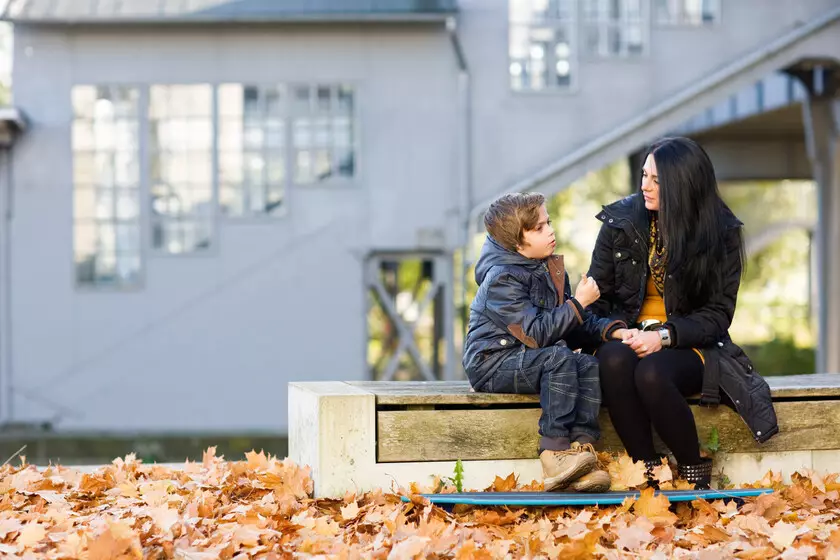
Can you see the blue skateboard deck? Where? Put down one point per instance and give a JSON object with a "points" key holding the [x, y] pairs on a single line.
{"points": [[549, 499]]}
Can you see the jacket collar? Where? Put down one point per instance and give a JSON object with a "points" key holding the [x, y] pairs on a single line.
{"points": [[632, 209]]}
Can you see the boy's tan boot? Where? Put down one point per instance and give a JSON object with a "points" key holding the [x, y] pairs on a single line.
{"points": [[594, 481], [561, 468]]}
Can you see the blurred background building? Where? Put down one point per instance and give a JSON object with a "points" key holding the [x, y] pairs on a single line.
{"points": [[203, 200]]}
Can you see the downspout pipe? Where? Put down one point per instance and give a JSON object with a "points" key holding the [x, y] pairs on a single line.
{"points": [[465, 157]]}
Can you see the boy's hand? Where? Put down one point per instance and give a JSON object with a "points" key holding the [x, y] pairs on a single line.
{"points": [[624, 334], [587, 291]]}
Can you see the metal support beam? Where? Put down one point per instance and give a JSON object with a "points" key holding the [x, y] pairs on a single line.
{"points": [[440, 295], [821, 116]]}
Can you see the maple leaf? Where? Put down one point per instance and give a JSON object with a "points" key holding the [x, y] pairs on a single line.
{"points": [[116, 542], [533, 486], [783, 535], [769, 506], [257, 461], [492, 517], [164, 517], [31, 534], [714, 534], [626, 473], [634, 537], [71, 546], [654, 507], [409, 548], [350, 511], [9, 525], [758, 553], [503, 484], [582, 548], [662, 473]]}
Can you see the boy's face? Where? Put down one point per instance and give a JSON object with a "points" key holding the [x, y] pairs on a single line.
{"points": [[538, 243]]}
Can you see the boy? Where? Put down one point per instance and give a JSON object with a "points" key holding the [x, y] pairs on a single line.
{"points": [[524, 325]]}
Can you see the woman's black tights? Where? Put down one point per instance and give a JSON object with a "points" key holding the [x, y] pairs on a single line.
{"points": [[652, 390]]}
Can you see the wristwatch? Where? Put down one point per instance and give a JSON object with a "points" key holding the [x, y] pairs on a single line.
{"points": [[665, 335]]}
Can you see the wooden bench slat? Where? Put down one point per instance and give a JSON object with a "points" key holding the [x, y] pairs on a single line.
{"points": [[481, 434], [818, 385]]}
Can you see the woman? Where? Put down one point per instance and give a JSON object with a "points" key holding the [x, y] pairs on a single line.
{"points": [[668, 260]]}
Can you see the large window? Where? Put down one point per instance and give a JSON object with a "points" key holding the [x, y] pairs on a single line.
{"points": [[181, 152], [106, 182], [231, 150], [613, 28], [322, 133], [252, 149], [541, 52], [686, 12]]}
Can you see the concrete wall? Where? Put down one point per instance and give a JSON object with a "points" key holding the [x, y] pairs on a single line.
{"points": [[209, 342]]}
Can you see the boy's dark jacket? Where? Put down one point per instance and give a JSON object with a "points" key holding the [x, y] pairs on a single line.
{"points": [[522, 301]]}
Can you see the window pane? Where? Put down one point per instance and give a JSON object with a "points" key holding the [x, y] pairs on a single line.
{"points": [[274, 100], [83, 168], [82, 135], [322, 164], [324, 99], [128, 268], [106, 176], [127, 203], [182, 162], [231, 199], [127, 239], [256, 198], [275, 134], [126, 103], [302, 133], [84, 240], [303, 167], [230, 100], [346, 162], [104, 267], [301, 100], [345, 100], [84, 99], [274, 199], [230, 167], [126, 169], [276, 169]]}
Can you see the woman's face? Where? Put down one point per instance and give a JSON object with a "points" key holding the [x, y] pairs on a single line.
{"points": [[650, 184]]}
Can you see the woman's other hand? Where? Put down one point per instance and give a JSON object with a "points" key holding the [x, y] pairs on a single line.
{"points": [[645, 343]]}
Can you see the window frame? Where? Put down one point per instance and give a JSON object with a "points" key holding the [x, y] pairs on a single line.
{"points": [[139, 220], [682, 22], [570, 25], [604, 24]]}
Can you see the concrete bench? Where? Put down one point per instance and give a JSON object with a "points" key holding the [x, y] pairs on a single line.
{"points": [[364, 435]]}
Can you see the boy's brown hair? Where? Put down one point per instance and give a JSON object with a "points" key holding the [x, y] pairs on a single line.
{"points": [[510, 215]]}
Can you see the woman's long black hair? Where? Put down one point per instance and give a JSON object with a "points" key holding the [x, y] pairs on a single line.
{"points": [[692, 216]]}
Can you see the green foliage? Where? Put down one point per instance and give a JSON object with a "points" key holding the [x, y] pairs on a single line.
{"points": [[781, 356], [458, 479], [713, 443]]}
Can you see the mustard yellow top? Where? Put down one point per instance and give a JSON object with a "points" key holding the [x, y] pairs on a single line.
{"points": [[653, 307]]}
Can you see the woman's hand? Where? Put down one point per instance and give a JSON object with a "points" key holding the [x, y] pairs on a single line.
{"points": [[624, 334], [645, 343]]}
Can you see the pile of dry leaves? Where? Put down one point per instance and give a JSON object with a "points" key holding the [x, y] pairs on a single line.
{"points": [[261, 508]]}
